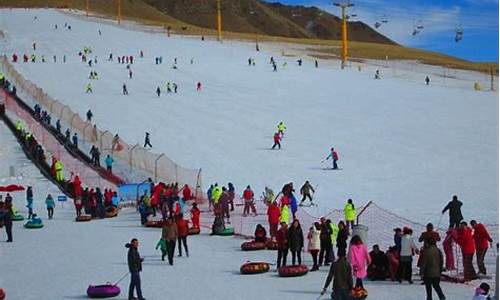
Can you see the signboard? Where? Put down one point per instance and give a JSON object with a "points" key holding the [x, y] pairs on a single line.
{"points": [[62, 198]]}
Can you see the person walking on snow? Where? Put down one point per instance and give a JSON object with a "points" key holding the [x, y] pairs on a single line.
{"points": [[49, 202], [109, 163], [482, 240], [305, 191], [248, 197], [169, 233], [455, 211], [427, 80], [134, 262], [431, 264], [124, 89], [276, 139], [158, 91], [29, 201], [147, 141], [313, 245], [89, 116], [341, 273], [88, 89], [334, 156], [360, 259]]}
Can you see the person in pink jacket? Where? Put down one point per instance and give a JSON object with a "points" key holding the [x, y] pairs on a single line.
{"points": [[449, 239], [360, 259]]}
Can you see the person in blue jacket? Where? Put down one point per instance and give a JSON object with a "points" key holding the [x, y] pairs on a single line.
{"points": [[50, 203], [115, 200], [29, 201], [109, 163]]}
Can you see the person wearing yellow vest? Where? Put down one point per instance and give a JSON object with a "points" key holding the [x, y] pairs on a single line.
{"points": [[19, 125], [281, 128], [216, 193], [335, 232], [59, 171], [2, 78], [349, 213], [285, 214]]}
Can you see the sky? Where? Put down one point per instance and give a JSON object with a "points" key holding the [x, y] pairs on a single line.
{"points": [[478, 20]]}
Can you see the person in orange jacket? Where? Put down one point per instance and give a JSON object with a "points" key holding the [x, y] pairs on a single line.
{"points": [[195, 216], [277, 139], [482, 241], [466, 242]]}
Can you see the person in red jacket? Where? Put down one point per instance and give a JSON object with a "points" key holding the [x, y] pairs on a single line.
{"points": [[277, 139], [108, 196], [93, 203], [77, 187], [248, 198], [182, 233], [282, 244], [466, 242], [482, 240], [186, 193], [273, 216], [195, 216]]}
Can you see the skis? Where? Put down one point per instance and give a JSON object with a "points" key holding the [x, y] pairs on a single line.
{"points": [[308, 205]]}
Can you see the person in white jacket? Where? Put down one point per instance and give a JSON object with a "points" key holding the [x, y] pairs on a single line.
{"points": [[313, 246], [408, 249]]}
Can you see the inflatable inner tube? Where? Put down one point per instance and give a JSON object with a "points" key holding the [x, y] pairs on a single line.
{"points": [[193, 231], [359, 293], [2, 294], [32, 225], [83, 218], [271, 245], [253, 245], [111, 212], [156, 224], [103, 291], [254, 268], [225, 232], [17, 217], [293, 271]]}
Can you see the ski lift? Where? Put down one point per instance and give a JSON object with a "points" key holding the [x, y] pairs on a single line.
{"points": [[384, 19], [420, 26], [378, 24], [458, 34], [415, 31]]}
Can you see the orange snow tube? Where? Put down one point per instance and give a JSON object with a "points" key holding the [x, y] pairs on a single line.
{"points": [[157, 224], [193, 231], [271, 245], [252, 246], [254, 268], [111, 212], [293, 271], [83, 218], [359, 294]]}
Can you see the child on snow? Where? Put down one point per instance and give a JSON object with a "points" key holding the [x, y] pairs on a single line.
{"points": [[195, 216], [482, 292], [49, 201], [162, 244]]}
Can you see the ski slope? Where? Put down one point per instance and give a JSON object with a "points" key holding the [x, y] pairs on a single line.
{"points": [[407, 146]]}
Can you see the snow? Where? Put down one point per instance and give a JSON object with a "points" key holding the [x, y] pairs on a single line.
{"points": [[406, 146]]}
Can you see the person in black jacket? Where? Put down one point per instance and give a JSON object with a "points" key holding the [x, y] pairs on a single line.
{"points": [[342, 237], [134, 262], [295, 238], [325, 240], [6, 217], [379, 266], [455, 211]]}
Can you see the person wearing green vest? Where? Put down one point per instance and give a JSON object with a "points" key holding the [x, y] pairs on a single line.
{"points": [[59, 171], [2, 78], [281, 128], [216, 193], [19, 125], [285, 214], [335, 231], [349, 213]]}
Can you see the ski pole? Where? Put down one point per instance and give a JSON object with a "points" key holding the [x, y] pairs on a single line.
{"points": [[123, 277], [439, 223]]}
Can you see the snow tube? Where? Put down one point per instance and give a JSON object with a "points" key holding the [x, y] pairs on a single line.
{"points": [[253, 245], [157, 224], [272, 245], [17, 217], [293, 271], [359, 293], [225, 232], [31, 225], [254, 268], [193, 231], [83, 218], [11, 188], [103, 291], [111, 212], [2, 294]]}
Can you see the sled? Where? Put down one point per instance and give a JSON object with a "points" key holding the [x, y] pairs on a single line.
{"points": [[271, 245], [111, 212], [193, 231], [103, 291], [32, 225], [83, 218], [359, 293], [17, 217], [156, 224], [254, 268], [11, 188], [226, 232], [253, 245], [293, 271]]}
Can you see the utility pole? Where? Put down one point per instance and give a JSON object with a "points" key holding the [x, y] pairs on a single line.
{"points": [[344, 5], [119, 13], [219, 22]]}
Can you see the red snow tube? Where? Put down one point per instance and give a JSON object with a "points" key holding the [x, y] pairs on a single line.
{"points": [[452, 279], [2, 294], [11, 188], [271, 245], [193, 231], [253, 245], [359, 293], [157, 224], [254, 268], [83, 218], [293, 271], [111, 212], [103, 291]]}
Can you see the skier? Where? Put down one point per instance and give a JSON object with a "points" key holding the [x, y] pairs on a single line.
{"points": [[249, 61], [281, 128], [299, 62], [134, 262], [169, 89], [377, 74], [141, 54], [174, 85], [277, 139], [147, 142], [455, 212], [305, 191], [130, 73], [89, 116], [334, 156], [427, 80], [198, 87], [110, 58], [88, 89], [275, 67], [158, 91], [49, 202], [124, 89]]}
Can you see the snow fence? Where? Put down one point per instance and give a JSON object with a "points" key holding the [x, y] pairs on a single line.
{"points": [[135, 157]]}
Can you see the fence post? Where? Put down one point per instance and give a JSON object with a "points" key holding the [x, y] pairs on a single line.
{"points": [[130, 156], [156, 165], [100, 141], [362, 211]]}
